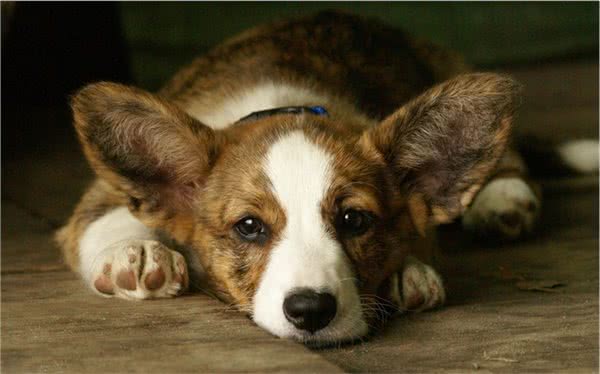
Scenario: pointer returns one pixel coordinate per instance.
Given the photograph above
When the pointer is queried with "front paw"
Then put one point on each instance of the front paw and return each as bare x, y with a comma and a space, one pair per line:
420, 287
505, 207
140, 269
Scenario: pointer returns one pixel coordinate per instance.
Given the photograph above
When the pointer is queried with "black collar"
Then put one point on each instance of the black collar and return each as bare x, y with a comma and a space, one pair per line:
316, 110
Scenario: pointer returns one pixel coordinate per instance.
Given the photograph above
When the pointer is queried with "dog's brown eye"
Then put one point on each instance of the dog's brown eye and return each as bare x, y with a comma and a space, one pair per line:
250, 229
353, 222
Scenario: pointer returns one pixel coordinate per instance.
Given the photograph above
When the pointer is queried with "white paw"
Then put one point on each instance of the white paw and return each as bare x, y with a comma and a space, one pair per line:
580, 155
505, 206
139, 269
420, 287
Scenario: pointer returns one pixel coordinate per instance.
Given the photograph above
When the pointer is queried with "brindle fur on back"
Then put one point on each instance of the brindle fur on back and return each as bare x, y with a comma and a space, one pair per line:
372, 66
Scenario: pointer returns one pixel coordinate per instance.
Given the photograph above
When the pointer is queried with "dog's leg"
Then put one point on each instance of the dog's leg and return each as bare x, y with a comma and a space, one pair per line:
121, 257
508, 204
417, 288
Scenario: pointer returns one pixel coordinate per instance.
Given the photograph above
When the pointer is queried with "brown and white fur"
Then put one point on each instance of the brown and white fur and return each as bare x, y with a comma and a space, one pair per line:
410, 141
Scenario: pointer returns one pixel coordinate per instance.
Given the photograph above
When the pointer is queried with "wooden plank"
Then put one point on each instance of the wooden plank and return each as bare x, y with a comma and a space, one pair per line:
558, 124
560, 101
47, 185
27, 242
50, 323
561, 85
549, 333
489, 323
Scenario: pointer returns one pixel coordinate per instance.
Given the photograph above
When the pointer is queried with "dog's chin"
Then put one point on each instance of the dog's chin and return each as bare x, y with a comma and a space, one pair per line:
344, 330
328, 337
331, 337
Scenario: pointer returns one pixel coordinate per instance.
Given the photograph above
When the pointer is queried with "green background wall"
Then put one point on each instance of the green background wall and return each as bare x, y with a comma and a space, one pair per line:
164, 36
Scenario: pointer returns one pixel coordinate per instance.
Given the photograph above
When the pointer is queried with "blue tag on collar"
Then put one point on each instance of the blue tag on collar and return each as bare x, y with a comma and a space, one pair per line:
316, 110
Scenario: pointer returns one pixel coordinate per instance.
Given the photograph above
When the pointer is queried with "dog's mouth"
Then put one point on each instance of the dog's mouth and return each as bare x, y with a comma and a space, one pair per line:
346, 328
349, 328
327, 342
357, 317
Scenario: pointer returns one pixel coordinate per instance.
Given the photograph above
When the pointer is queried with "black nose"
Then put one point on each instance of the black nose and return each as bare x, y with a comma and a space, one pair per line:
309, 310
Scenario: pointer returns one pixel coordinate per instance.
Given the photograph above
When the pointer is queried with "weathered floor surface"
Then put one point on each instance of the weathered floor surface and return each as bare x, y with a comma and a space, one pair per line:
493, 321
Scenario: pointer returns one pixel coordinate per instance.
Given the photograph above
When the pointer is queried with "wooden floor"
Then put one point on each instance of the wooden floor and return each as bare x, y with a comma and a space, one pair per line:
529, 306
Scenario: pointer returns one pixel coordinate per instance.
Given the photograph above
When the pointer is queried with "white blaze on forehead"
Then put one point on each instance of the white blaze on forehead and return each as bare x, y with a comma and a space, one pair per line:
300, 173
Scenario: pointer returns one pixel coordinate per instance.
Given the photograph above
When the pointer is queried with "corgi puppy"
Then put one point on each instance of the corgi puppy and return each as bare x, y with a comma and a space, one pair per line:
296, 171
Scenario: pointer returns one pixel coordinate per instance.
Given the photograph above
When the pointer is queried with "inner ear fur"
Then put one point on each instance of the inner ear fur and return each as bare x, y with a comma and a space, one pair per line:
143, 145
442, 145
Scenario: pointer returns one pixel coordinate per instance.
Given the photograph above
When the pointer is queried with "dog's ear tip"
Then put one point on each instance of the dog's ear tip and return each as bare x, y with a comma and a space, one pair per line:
92, 88
502, 92
88, 94
101, 90
492, 82
509, 86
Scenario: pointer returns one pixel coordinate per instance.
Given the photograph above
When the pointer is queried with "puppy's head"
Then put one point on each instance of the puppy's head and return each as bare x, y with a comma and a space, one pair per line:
297, 219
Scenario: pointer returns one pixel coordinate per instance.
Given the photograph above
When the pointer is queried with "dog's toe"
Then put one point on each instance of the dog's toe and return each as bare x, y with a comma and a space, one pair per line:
505, 207
140, 269
422, 287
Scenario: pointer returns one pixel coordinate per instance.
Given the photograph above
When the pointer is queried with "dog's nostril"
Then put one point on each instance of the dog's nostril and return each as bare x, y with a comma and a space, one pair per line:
309, 310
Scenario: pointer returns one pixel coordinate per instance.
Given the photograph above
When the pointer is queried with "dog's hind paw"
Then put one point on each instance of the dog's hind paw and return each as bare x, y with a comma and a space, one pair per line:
506, 208
140, 269
420, 287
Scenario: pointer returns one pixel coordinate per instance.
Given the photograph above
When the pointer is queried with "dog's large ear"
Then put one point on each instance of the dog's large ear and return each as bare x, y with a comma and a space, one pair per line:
143, 145
442, 145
